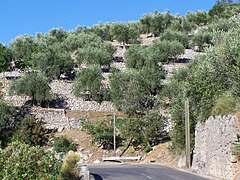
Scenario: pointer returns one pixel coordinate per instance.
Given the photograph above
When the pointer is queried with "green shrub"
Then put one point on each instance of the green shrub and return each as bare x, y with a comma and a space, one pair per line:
69, 169
225, 104
21, 161
63, 144
31, 131
236, 150
202, 39
101, 131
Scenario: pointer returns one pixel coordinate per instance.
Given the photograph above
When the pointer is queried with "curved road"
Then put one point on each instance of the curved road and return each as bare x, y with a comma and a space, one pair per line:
139, 172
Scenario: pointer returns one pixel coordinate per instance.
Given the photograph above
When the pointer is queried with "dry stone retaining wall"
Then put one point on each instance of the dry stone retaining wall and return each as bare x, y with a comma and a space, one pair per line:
56, 118
213, 142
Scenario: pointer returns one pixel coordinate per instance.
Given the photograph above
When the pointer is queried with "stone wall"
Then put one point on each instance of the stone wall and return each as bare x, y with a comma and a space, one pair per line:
56, 118
213, 142
64, 89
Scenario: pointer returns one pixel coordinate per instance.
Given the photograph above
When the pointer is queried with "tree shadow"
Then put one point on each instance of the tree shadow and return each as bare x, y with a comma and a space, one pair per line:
59, 102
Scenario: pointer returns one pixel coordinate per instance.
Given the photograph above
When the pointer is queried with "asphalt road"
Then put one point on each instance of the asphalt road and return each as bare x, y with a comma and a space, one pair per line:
140, 172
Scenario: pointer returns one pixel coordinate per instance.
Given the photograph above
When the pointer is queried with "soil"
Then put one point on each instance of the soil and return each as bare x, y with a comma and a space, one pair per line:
160, 154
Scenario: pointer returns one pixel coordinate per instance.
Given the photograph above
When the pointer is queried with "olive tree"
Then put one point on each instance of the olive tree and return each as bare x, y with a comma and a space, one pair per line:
163, 51
33, 84
135, 57
133, 91
171, 35
52, 61
22, 49
5, 58
123, 32
88, 81
94, 56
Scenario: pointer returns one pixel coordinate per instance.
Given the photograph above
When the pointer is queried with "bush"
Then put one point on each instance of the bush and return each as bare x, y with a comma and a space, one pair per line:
225, 104
236, 150
101, 131
31, 131
63, 144
69, 169
202, 39
21, 161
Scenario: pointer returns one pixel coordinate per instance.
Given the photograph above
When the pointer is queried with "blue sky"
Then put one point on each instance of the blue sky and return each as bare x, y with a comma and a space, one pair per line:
32, 16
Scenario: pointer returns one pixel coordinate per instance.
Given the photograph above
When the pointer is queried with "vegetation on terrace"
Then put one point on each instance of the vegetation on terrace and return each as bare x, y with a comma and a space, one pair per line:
211, 82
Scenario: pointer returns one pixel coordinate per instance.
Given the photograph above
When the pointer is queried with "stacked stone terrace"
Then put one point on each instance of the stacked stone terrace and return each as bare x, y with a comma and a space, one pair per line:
63, 90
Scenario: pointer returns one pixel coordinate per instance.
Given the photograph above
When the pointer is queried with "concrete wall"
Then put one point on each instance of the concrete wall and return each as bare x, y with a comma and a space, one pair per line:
213, 141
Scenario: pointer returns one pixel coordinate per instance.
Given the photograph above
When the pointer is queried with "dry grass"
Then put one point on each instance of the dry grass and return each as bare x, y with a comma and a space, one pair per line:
162, 154
94, 115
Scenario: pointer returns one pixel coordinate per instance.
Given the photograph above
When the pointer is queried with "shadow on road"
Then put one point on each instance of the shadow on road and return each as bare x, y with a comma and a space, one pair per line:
97, 177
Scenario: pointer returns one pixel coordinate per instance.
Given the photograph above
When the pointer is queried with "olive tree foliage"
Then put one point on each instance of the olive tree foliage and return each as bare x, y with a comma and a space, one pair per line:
199, 18
143, 132
76, 40
88, 81
165, 51
103, 31
33, 84
124, 32
224, 9
22, 49
182, 24
90, 49
26, 162
134, 91
94, 56
155, 23
203, 38
171, 35
206, 81
5, 58
136, 57
53, 61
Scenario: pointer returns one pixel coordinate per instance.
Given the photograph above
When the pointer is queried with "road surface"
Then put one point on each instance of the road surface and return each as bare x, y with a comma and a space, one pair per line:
139, 172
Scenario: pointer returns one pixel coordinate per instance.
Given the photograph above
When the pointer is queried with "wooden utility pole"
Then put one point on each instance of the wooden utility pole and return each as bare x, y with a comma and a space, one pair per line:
187, 134
114, 133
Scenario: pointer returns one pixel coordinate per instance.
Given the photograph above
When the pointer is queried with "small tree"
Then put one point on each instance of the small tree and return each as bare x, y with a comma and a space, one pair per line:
162, 51
123, 32
88, 80
94, 56
135, 57
32, 84
175, 35
63, 144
